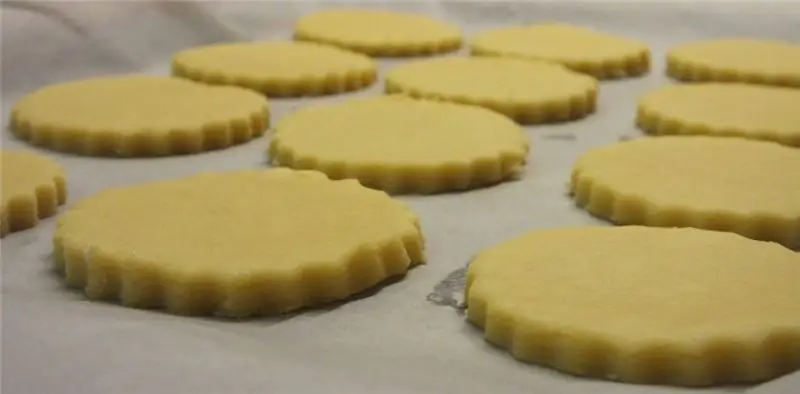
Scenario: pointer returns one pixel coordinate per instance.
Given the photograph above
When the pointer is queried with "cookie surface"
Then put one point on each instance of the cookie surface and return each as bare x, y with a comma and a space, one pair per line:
641, 304
526, 91
736, 60
33, 188
138, 115
277, 68
601, 55
236, 244
402, 145
723, 109
726, 184
379, 33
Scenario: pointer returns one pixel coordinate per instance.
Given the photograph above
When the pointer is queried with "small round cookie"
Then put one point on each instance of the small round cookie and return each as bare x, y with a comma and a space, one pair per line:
138, 115
601, 55
725, 184
526, 91
723, 109
402, 145
747, 60
379, 33
645, 305
236, 244
33, 188
279, 69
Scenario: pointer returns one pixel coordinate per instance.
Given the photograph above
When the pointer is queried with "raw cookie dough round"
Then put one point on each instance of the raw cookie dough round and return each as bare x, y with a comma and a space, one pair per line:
236, 244
642, 305
33, 188
402, 145
138, 115
526, 91
601, 55
277, 68
726, 184
736, 59
379, 33
723, 109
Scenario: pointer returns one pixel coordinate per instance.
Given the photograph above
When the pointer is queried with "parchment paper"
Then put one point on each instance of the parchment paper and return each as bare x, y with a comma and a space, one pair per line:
402, 338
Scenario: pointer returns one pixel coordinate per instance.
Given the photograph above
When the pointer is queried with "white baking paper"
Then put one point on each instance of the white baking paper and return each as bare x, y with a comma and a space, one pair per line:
401, 339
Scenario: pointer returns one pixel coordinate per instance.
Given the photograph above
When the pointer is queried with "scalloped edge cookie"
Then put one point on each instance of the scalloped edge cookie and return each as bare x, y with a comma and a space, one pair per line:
104, 277
581, 351
633, 64
447, 176
25, 210
108, 143
396, 46
632, 209
651, 119
572, 107
332, 81
691, 70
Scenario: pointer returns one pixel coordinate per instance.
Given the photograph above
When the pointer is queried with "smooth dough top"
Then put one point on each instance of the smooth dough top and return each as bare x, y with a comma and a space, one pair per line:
23, 172
278, 60
741, 55
250, 222
356, 27
636, 284
135, 103
556, 42
700, 173
401, 131
490, 78
750, 109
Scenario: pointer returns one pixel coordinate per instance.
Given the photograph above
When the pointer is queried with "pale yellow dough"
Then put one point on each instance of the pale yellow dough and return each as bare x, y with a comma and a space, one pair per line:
601, 55
726, 184
236, 244
33, 187
526, 91
642, 305
402, 145
138, 115
277, 68
379, 33
747, 60
723, 109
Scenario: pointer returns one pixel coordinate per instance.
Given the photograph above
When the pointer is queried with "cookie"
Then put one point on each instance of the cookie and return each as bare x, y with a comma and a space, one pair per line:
648, 305
138, 115
748, 60
723, 109
602, 55
402, 145
379, 33
725, 184
236, 244
33, 188
526, 91
280, 69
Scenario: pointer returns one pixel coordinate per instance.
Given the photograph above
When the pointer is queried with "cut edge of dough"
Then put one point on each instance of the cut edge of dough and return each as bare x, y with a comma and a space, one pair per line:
689, 71
393, 48
25, 210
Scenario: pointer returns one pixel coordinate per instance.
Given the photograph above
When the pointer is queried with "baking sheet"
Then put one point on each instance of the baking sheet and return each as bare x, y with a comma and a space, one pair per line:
407, 336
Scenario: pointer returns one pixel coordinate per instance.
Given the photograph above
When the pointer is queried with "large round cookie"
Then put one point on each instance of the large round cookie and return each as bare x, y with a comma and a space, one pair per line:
33, 187
602, 55
379, 33
236, 244
402, 145
736, 60
277, 68
641, 304
723, 109
727, 184
138, 115
526, 91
